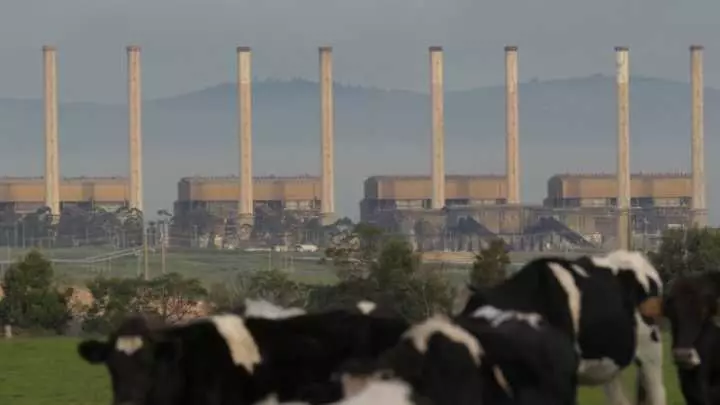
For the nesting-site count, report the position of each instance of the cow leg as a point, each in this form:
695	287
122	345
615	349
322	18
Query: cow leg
692	388
642	397
649	358
614	391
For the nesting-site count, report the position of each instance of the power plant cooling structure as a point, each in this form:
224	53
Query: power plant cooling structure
244	105
327	135
623	157
135	127
438	127
52	169
511	125
699	208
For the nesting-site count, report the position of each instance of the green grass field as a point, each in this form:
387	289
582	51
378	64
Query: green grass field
47	371
209	265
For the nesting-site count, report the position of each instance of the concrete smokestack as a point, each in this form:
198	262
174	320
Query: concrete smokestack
135	127
438	127
327	119
52	169
511	125
244	105
623	131
699	209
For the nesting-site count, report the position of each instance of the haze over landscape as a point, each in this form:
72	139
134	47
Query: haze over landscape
567	102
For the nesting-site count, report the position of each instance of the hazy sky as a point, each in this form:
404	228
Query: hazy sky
189	44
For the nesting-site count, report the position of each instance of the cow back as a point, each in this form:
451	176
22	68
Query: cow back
538	362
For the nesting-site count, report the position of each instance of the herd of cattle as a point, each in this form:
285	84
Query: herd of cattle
552	326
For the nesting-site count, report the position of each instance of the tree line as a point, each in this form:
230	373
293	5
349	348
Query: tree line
368	265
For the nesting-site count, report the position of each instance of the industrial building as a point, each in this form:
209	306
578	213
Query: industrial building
437	210
279	204
220	195
457	212
578	207
24	195
384	196
587	203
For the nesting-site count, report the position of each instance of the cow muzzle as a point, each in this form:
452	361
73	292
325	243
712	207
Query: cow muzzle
686	358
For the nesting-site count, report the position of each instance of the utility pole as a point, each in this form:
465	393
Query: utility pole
162	246
139	264
146	272
7	246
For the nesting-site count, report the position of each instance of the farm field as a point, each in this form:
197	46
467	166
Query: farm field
74	266
47	371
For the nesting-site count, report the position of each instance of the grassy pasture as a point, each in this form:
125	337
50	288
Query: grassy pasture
47	371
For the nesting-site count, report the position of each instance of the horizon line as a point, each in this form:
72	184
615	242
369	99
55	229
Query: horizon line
286	80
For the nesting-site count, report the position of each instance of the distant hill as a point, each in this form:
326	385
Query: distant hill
565	125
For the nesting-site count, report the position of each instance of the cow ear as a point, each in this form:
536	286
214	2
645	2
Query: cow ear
93	351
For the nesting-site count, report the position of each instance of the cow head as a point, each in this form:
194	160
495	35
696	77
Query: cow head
137	357
639	279
691	306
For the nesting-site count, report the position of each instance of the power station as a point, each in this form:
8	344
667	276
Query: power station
436	210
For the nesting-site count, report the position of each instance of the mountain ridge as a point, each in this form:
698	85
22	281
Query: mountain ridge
566	125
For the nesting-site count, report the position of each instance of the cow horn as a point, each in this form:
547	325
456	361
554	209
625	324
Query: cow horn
651	307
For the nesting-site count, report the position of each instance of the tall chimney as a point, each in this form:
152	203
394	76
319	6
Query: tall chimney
244	105
623	162
327	119
135	127
699	209
511	125
438	127
52	170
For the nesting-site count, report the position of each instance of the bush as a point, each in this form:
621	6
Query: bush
170	298
491	265
385	271
272	285
687	251
32	302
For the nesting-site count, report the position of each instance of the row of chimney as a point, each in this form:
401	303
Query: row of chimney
52	170
244	92
699	208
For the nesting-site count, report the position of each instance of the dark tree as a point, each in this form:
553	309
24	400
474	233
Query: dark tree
491	265
31	300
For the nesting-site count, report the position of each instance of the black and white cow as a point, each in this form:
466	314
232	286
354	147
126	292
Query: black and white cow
538	362
607	304
265	309
439	359
692	305
493	357
258	308
377	392
368	307
227	359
